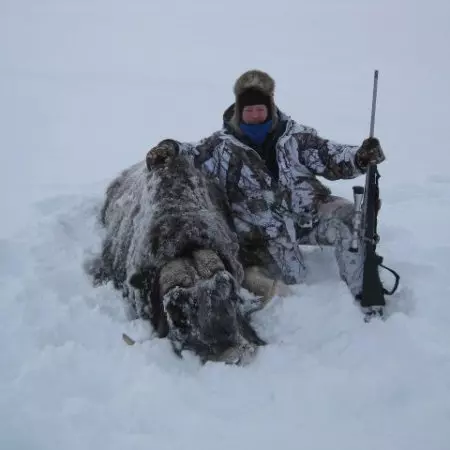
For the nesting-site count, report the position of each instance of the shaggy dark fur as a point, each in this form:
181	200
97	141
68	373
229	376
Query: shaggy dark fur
160	221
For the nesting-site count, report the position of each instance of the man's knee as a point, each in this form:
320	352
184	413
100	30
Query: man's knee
337	209
334	225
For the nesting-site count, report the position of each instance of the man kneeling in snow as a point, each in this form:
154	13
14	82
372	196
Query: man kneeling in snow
266	165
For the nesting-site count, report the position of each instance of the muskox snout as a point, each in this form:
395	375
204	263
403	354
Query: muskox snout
225	333
233	342
202	306
220	334
205	318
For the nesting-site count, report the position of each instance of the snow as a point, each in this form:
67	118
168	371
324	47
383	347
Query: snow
86	88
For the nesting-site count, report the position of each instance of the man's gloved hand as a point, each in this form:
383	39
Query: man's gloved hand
162	153
370	152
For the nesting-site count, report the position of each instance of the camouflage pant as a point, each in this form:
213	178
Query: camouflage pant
335	228
286	262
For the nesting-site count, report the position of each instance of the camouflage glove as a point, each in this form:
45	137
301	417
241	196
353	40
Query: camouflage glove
370	152
162	153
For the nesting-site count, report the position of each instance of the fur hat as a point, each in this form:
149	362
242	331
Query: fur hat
254	80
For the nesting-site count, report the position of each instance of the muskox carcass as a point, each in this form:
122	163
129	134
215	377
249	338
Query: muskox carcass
170	250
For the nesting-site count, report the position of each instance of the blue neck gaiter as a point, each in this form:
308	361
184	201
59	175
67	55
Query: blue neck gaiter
257	133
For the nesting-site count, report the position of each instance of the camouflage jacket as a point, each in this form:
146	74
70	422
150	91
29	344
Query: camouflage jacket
264	207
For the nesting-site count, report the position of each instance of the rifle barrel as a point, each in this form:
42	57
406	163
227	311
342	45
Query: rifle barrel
374	103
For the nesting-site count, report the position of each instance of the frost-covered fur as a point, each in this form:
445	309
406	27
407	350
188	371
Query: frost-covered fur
171	252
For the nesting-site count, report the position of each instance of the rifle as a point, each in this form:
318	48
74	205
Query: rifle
365	221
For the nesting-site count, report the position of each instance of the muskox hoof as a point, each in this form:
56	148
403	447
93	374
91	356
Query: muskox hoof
161	154
257	281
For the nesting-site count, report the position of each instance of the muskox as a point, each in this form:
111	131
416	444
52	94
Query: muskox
170	249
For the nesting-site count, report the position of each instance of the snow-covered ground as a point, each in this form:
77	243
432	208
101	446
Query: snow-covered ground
86	87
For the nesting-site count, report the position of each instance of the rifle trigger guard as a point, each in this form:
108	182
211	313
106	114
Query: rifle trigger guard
397	280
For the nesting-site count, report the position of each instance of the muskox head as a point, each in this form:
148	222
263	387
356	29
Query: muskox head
201	309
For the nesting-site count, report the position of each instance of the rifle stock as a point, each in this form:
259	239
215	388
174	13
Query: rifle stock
372	290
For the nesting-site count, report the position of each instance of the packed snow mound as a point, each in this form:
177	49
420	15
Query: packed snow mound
70	381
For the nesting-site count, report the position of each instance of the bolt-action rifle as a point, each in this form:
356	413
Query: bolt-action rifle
367	205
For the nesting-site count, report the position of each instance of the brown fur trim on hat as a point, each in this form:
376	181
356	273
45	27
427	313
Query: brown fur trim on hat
256	79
